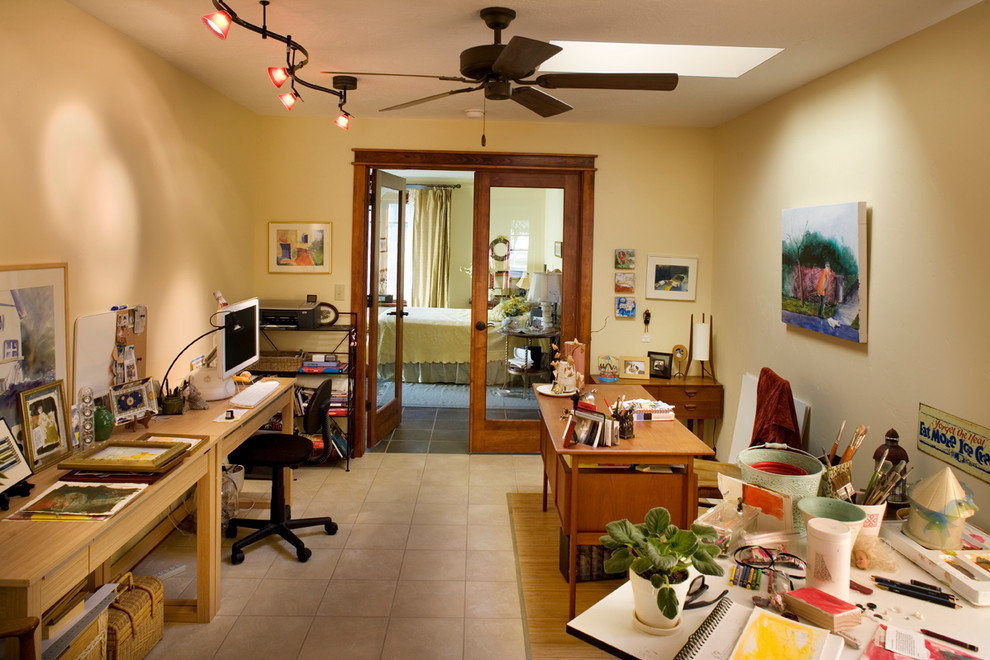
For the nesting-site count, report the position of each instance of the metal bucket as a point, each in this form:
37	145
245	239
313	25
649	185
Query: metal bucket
797	486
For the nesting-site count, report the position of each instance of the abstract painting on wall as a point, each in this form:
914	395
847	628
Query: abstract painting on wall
823	275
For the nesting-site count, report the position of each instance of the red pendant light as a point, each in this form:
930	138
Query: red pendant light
343	121
219	22
278	74
288	99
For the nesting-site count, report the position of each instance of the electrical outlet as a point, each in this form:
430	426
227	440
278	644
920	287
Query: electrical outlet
338	292
646	339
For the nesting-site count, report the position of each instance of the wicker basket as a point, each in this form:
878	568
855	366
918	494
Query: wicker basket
279	361
137	618
91	643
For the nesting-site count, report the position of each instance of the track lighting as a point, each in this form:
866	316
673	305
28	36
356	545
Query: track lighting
343	121
219	23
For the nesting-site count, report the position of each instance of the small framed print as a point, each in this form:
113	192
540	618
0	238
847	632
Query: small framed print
671	278
298	247
625	259
608	368
13	466
132	401
191	441
625	307
46	433
660	364
128	456
633	367
625	282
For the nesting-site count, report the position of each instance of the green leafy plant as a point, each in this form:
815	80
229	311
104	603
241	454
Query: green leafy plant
661	553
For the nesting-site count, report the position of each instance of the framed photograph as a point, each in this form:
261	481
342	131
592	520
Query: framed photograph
625	259
128	456
625	307
660	364
191	441
671	278
298	247
13	465
46	433
558	249
633	367
625	282
34	335
131	401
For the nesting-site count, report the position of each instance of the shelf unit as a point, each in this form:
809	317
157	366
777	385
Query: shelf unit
292	363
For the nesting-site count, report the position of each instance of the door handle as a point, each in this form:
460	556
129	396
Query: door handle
405	313
480	325
391	314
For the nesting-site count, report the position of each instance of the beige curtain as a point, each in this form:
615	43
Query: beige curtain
431	247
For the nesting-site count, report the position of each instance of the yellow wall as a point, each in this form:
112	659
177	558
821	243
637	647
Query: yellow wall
906	131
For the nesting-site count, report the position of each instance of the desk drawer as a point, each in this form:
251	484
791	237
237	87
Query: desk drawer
693	402
57	583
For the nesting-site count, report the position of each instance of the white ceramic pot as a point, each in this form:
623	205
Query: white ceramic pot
645	601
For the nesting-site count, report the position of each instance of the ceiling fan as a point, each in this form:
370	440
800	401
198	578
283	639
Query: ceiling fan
501	70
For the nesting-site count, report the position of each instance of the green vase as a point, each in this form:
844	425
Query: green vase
103	420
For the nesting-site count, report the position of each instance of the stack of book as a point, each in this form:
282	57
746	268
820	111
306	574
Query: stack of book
338	404
823	609
330	365
645	410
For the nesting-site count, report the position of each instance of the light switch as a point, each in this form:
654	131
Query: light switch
338	292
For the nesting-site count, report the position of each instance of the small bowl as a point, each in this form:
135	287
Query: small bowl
829	507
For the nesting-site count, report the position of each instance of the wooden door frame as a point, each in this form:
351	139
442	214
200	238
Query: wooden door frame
577	251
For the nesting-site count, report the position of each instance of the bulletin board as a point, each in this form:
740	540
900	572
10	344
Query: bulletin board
110	348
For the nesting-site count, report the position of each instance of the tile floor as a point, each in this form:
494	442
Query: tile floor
422	565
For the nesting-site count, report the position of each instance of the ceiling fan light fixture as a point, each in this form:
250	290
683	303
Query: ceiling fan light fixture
343	120
288	99
278	75
219	23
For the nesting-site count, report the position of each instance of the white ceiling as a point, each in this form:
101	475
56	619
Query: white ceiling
404	36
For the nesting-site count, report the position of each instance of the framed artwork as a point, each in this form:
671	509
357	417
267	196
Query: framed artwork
625	259
625	282
608	368
823	259
191	441
46	433
33	333
558	249
660	364
298	247
633	367
128	456
132	401
13	465
671	278
625	307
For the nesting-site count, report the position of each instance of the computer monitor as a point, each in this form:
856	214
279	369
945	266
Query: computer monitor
237	343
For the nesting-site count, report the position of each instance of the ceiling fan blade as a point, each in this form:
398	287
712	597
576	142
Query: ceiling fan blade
663	82
401	75
539	102
522	56
409	104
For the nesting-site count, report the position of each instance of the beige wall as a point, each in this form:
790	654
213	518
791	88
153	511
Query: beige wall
906	131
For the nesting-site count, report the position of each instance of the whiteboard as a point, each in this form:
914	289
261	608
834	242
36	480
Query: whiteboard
92	350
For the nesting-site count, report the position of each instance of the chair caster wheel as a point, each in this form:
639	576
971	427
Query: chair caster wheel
236	557
303	554
231	531
331	528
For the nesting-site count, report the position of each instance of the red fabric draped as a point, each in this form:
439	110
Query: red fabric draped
776	419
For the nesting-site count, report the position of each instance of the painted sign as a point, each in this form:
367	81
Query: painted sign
959	443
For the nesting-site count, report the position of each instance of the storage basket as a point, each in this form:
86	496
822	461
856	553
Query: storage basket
280	361
827	486
137	618
91	643
797	486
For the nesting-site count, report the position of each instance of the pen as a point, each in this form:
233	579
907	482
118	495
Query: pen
946	638
920	595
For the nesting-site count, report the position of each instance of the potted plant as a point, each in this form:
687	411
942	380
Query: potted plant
658	556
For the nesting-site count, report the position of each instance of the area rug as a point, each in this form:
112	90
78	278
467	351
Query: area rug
543	588
441	395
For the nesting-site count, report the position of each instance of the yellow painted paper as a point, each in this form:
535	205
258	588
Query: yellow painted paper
771	636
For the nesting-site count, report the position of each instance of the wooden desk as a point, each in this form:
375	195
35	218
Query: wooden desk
42	560
695	399
594	486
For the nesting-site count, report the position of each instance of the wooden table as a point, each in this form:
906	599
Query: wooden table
43	560
594	486
695	399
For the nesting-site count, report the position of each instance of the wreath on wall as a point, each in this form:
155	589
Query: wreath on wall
498	260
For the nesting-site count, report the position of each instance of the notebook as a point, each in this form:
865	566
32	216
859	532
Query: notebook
717	634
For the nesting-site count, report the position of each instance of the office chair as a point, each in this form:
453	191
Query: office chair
23	629
277	451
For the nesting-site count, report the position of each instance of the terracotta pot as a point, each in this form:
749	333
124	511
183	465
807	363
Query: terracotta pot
645	601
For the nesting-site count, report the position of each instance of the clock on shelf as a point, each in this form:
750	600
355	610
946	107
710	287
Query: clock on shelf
680	354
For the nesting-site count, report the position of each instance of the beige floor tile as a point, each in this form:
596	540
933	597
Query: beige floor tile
433	565
286	597
490	494
319	566
378	536
403	462
269	637
357	598
494	639
440	513
424	639
316	537
492	600
455	461
258	558
234	594
445	477
386	512
398	477
428	599
486	477
383	491
345	638
193	641
442	493
342	512
489	537
365	564
437	537
491	565
492	461
333	493
488	514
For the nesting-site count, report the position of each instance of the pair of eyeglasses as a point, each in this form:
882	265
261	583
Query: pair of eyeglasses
695	589
782	566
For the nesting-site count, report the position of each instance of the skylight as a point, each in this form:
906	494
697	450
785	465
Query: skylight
700	61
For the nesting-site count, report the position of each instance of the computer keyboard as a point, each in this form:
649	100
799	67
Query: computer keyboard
254	394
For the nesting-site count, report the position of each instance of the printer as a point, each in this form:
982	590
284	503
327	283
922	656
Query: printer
297	315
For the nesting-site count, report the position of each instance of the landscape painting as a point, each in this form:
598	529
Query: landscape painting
823	275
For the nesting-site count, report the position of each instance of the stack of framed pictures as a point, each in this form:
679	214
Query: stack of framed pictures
591	428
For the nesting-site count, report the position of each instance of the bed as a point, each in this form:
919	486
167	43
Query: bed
436	347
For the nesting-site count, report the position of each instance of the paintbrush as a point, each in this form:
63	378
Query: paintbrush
835	445
854	444
876	474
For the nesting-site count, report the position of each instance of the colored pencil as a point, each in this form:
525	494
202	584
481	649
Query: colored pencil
919	594
950	640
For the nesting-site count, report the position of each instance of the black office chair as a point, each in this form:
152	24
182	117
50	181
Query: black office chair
277	451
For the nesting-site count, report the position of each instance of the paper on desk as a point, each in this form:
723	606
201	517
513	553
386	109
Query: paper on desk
905	642
777	512
238	413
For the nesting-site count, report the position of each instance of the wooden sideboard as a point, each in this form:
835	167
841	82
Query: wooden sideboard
695	399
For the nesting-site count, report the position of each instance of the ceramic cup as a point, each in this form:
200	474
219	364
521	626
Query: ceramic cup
874	516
